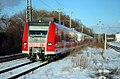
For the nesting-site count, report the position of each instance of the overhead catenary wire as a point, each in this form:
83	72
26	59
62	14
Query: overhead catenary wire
50	8
67	9
45	4
9	9
57	2
112	28
61	5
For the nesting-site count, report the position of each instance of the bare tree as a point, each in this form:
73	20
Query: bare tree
4	22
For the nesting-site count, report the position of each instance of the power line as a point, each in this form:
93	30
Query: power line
61	5
112	28
4	11
68	10
45	4
57	2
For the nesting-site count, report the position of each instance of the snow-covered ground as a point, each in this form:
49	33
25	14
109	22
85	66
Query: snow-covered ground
114	43
13	63
83	65
86	64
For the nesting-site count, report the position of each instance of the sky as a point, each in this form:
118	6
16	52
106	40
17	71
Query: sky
103	16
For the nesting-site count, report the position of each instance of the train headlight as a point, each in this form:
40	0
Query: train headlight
25	44
49	44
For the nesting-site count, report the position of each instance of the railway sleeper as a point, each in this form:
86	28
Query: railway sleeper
36	56
50	58
41	57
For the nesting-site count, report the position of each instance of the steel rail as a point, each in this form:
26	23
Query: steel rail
11	68
28	71
13	57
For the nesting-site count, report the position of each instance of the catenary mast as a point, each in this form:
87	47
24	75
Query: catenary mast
28	10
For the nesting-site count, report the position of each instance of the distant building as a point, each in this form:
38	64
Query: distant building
111	37
117	37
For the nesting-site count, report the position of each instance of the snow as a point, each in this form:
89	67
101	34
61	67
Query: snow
112	54
80	66
10	55
84	65
18	70
61	69
13	63
114	43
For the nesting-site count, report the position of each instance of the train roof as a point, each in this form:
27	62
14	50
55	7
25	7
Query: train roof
71	29
64	27
46	20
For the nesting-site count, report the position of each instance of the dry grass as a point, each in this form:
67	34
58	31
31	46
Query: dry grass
76	51
80	62
97	44
65	69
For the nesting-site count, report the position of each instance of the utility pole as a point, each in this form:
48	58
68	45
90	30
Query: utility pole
82	28
99	30
28	10
71	19
105	41
60	14
0	11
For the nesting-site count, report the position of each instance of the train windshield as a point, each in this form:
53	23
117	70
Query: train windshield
38	33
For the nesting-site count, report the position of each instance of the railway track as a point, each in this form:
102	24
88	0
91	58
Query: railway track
114	47
20	70
12	57
28	70
11	68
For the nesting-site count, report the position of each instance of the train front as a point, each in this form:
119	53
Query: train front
37	37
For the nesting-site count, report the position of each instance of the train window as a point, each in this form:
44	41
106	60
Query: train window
39	23
67	37
62	36
40	33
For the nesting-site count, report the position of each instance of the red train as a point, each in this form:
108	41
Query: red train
46	39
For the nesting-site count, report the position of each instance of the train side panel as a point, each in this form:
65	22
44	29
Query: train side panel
59	40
